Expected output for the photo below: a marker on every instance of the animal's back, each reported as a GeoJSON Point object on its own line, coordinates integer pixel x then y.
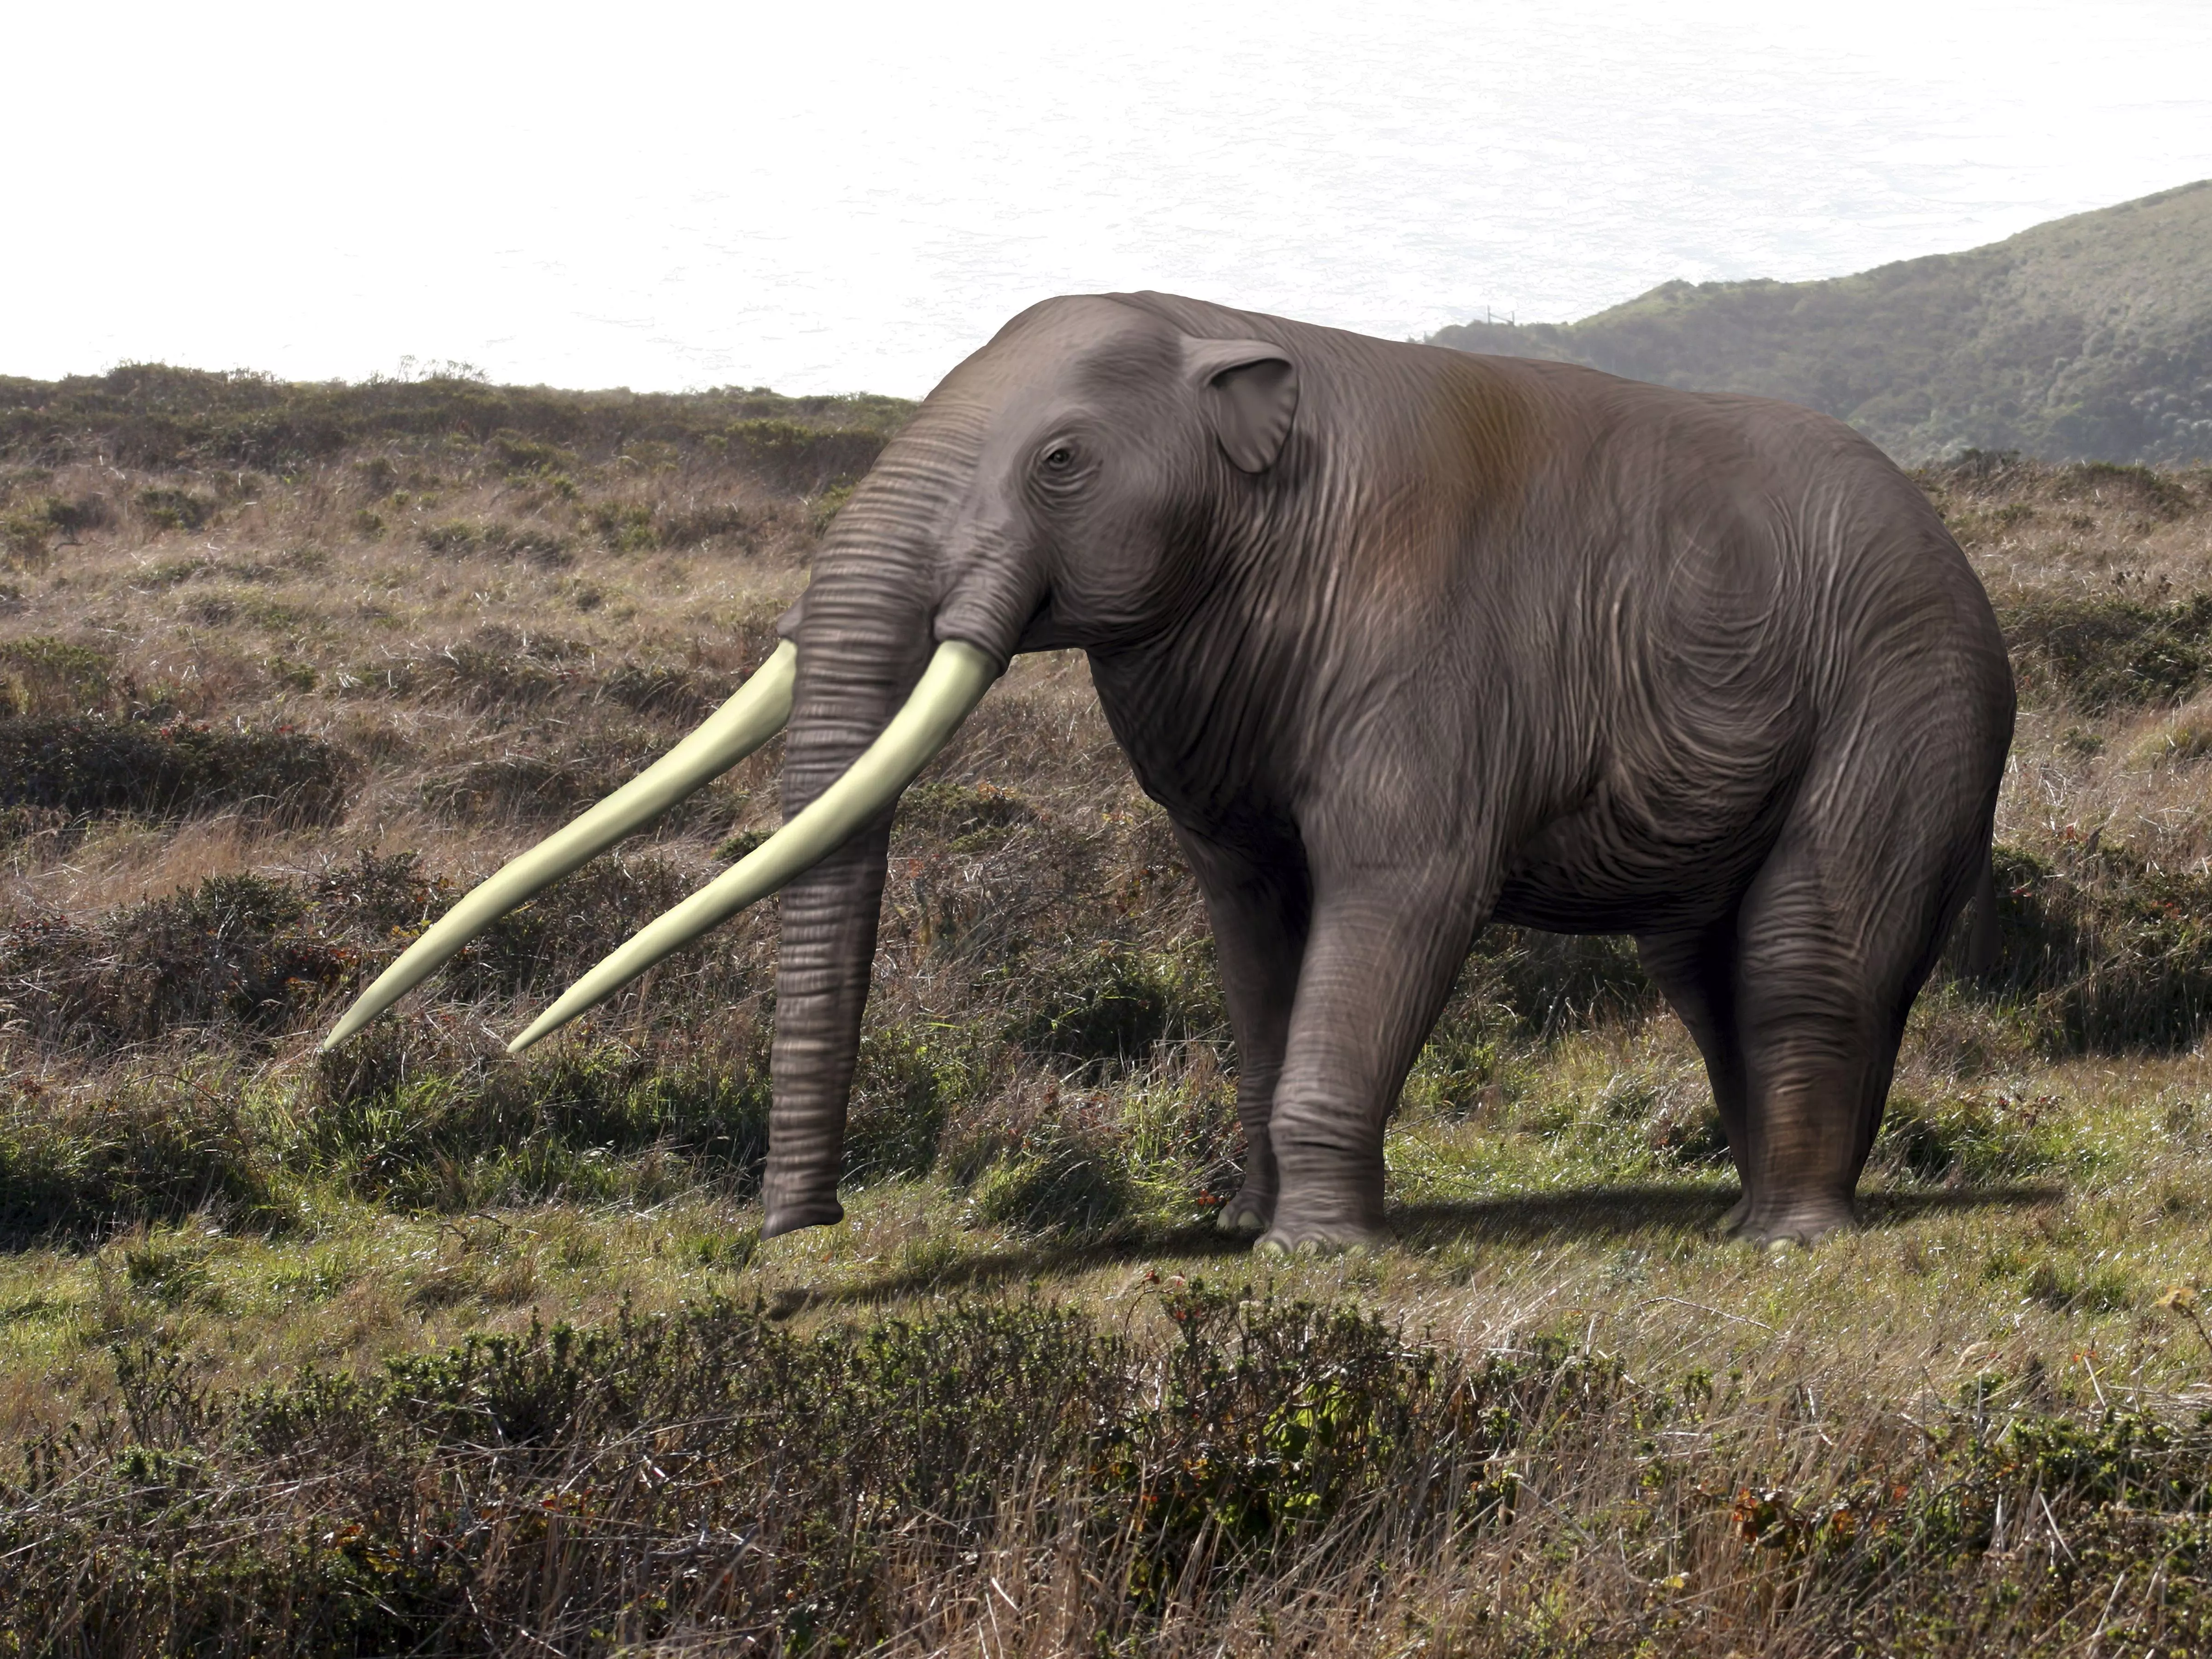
{"type": "Point", "coordinates": [1745, 586]}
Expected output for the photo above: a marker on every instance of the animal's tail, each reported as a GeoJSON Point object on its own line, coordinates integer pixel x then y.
{"type": "Point", "coordinates": [1982, 937]}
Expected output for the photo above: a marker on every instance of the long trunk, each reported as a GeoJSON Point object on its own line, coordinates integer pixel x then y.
{"type": "Point", "coordinates": [863, 640]}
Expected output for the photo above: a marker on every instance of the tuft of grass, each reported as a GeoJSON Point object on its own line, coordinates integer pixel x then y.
{"type": "Point", "coordinates": [170, 508]}
{"type": "Point", "coordinates": [1108, 1006]}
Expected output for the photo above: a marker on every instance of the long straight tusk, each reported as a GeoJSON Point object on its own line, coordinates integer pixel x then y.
{"type": "Point", "coordinates": [955, 682]}
{"type": "Point", "coordinates": [760, 709]}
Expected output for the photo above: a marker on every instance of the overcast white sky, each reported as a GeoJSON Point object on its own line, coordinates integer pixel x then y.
{"type": "Point", "coordinates": [851, 196]}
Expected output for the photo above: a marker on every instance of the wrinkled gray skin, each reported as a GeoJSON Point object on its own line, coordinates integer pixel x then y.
{"type": "Point", "coordinates": [1405, 641]}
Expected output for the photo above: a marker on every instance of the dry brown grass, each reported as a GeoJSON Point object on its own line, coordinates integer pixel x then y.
{"type": "Point", "coordinates": [487, 635]}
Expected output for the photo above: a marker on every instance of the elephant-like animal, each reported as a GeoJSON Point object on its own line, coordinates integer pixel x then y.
{"type": "Point", "coordinates": [1403, 639]}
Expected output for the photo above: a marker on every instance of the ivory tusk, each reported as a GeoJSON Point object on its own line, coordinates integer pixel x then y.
{"type": "Point", "coordinates": [949, 689]}
{"type": "Point", "coordinates": [760, 709]}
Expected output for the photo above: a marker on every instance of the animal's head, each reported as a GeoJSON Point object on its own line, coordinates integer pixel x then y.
{"type": "Point", "coordinates": [1064, 486]}
{"type": "Point", "coordinates": [1056, 488]}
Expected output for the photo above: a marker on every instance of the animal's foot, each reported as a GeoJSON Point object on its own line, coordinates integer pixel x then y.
{"type": "Point", "coordinates": [1804, 1224]}
{"type": "Point", "coordinates": [1733, 1221]}
{"type": "Point", "coordinates": [806, 1213]}
{"type": "Point", "coordinates": [1287, 1238]}
{"type": "Point", "coordinates": [1248, 1212]}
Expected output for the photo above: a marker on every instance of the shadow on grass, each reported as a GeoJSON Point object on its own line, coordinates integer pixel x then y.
{"type": "Point", "coordinates": [1582, 1211]}
{"type": "Point", "coordinates": [987, 1268]}
{"type": "Point", "coordinates": [1687, 1206]}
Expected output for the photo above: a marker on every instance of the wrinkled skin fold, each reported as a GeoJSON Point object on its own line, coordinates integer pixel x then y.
{"type": "Point", "coordinates": [1404, 640]}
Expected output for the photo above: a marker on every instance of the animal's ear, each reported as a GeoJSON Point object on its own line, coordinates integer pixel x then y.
{"type": "Point", "coordinates": [1250, 390]}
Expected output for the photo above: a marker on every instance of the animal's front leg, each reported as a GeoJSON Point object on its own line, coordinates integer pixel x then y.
{"type": "Point", "coordinates": [1260, 909]}
{"type": "Point", "coordinates": [1379, 962]}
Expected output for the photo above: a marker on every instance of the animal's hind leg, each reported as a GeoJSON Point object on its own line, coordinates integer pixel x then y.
{"type": "Point", "coordinates": [1695, 970]}
{"type": "Point", "coordinates": [1835, 938]}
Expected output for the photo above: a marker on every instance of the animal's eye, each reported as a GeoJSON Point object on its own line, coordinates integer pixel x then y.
{"type": "Point", "coordinates": [1059, 459]}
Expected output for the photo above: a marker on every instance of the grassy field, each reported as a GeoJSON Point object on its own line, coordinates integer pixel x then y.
{"type": "Point", "coordinates": [413, 1348]}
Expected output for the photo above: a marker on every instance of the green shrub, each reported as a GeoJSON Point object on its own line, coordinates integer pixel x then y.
{"type": "Point", "coordinates": [152, 415]}
{"type": "Point", "coordinates": [423, 1507]}
{"type": "Point", "coordinates": [711, 521]}
{"type": "Point", "coordinates": [970, 816]}
{"type": "Point", "coordinates": [519, 457]}
{"type": "Point", "coordinates": [258, 956]}
{"type": "Point", "coordinates": [906, 1081]}
{"type": "Point", "coordinates": [553, 784]}
{"type": "Point", "coordinates": [2104, 950]}
{"type": "Point", "coordinates": [1107, 1006]}
{"type": "Point", "coordinates": [804, 460]}
{"type": "Point", "coordinates": [439, 1127]}
{"type": "Point", "coordinates": [170, 508]}
{"type": "Point", "coordinates": [2098, 654]}
{"type": "Point", "coordinates": [1055, 1179]}
{"type": "Point", "coordinates": [77, 764]}
{"type": "Point", "coordinates": [237, 950]}
{"type": "Point", "coordinates": [1553, 982]}
{"type": "Point", "coordinates": [152, 1148]}
{"type": "Point", "coordinates": [42, 675]}
{"type": "Point", "coordinates": [624, 526]}
{"type": "Point", "coordinates": [456, 538]}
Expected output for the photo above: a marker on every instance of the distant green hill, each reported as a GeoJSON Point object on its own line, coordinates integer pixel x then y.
{"type": "Point", "coordinates": [2088, 338]}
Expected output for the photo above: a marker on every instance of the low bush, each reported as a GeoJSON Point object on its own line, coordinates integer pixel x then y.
{"type": "Point", "coordinates": [85, 1161]}
{"type": "Point", "coordinates": [44, 676]}
{"type": "Point", "coordinates": [708, 1478]}
{"type": "Point", "coordinates": [707, 1475]}
{"type": "Point", "coordinates": [803, 460]}
{"type": "Point", "coordinates": [1553, 982]}
{"type": "Point", "coordinates": [1104, 1007]}
{"type": "Point", "coordinates": [2104, 950]}
{"type": "Point", "coordinates": [256, 955]}
{"type": "Point", "coordinates": [94, 764]}
{"type": "Point", "coordinates": [237, 950]}
{"type": "Point", "coordinates": [2101, 652]}
{"type": "Point", "coordinates": [1056, 1178]}
{"type": "Point", "coordinates": [446, 1123]}
{"type": "Point", "coordinates": [537, 543]}
{"type": "Point", "coordinates": [553, 782]}
{"type": "Point", "coordinates": [167, 508]}
{"type": "Point", "coordinates": [153, 417]}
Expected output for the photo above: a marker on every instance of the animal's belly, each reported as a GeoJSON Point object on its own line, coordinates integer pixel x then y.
{"type": "Point", "coordinates": [1606, 870]}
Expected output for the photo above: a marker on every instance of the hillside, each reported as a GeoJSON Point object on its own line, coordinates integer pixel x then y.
{"type": "Point", "coordinates": [418, 1348]}
{"type": "Point", "coordinates": [2086, 339]}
